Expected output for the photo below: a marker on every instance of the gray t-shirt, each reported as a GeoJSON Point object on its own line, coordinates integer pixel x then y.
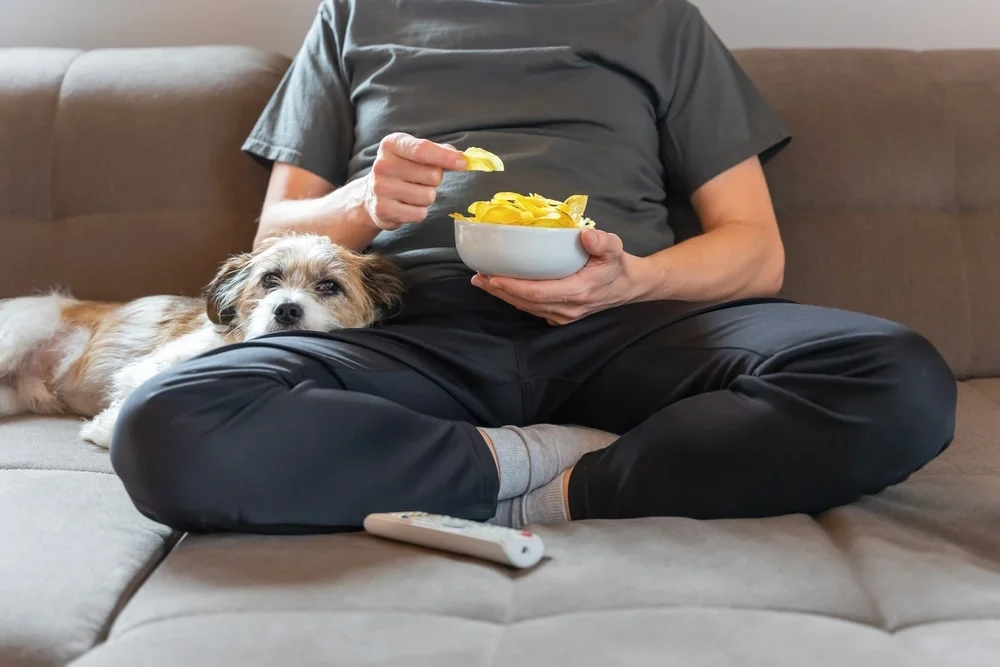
{"type": "Point", "coordinates": [621, 100]}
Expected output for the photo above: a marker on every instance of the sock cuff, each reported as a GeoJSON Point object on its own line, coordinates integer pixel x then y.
{"type": "Point", "coordinates": [512, 459]}
{"type": "Point", "coordinates": [546, 505]}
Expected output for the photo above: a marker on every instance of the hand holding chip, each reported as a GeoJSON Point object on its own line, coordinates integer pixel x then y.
{"type": "Point", "coordinates": [608, 279]}
{"type": "Point", "coordinates": [404, 179]}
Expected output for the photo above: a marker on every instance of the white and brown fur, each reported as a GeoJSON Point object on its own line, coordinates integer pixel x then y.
{"type": "Point", "coordinates": [60, 355]}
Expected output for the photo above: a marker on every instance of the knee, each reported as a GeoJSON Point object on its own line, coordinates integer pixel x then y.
{"type": "Point", "coordinates": [913, 414]}
{"type": "Point", "coordinates": [159, 445]}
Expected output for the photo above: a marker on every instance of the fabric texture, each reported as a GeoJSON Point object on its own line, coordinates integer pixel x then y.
{"type": "Point", "coordinates": [657, 104]}
{"type": "Point", "coordinates": [121, 173]}
{"type": "Point", "coordinates": [888, 204]}
{"type": "Point", "coordinates": [73, 551]}
{"type": "Point", "coordinates": [42, 443]}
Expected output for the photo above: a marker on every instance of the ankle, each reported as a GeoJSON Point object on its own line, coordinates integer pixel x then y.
{"type": "Point", "coordinates": [565, 492]}
{"type": "Point", "coordinates": [492, 448]}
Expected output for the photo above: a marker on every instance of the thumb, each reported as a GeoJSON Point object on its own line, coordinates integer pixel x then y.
{"type": "Point", "coordinates": [601, 244]}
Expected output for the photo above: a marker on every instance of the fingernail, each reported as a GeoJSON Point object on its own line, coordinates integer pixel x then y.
{"type": "Point", "coordinates": [460, 163]}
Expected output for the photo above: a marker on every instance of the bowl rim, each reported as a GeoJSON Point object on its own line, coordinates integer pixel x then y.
{"type": "Point", "coordinates": [489, 225]}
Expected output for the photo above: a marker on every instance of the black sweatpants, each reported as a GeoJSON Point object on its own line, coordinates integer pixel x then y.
{"type": "Point", "coordinates": [747, 409]}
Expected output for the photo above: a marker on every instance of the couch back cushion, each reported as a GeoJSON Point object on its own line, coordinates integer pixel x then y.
{"type": "Point", "coordinates": [121, 173]}
{"type": "Point", "coordinates": [889, 194]}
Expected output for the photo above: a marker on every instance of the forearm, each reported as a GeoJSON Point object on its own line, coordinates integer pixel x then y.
{"type": "Point", "coordinates": [339, 215]}
{"type": "Point", "coordinates": [729, 262]}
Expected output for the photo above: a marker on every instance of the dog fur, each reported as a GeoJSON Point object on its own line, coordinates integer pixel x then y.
{"type": "Point", "coordinates": [60, 355]}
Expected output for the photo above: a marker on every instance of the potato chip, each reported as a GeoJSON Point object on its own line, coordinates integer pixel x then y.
{"type": "Point", "coordinates": [534, 210]}
{"type": "Point", "coordinates": [478, 159]}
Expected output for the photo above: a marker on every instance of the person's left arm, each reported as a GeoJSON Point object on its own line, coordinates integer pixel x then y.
{"type": "Point", "coordinates": [717, 131]}
{"type": "Point", "coordinates": [740, 254]}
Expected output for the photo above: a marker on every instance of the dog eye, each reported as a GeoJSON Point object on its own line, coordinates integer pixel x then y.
{"type": "Point", "coordinates": [328, 287]}
{"type": "Point", "coordinates": [270, 280]}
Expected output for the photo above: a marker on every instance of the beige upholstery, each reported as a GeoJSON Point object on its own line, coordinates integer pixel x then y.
{"type": "Point", "coordinates": [121, 172]}
{"type": "Point", "coordinates": [121, 175]}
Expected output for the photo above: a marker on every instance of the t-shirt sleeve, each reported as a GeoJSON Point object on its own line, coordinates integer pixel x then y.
{"type": "Point", "coordinates": [309, 120]}
{"type": "Point", "coordinates": [714, 117]}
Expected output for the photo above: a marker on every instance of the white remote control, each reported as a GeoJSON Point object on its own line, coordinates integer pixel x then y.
{"type": "Point", "coordinates": [507, 546]}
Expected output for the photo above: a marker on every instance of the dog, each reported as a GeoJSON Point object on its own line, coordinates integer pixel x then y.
{"type": "Point", "coordinates": [60, 355]}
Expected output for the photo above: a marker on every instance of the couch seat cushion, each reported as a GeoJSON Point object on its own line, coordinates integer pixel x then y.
{"type": "Point", "coordinates": [72, 548]}
{"type": "Point", "coordinates": [36, 443]}
{"type": "Point", "coordinates": [909, 577]}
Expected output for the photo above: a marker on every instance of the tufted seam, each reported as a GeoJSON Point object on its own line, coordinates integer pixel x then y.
{"type": "Point", "coordinates": [54, 143]}
{"type": "Point", "coordinates": [988, 397]}
{"type": "Point", "coordinates": [41, 469]}
{"type": "Point", "coordinates": [680, 609]}
{"type": "Point", "coordinates": [136, 582]}
{"type": "Point", "coordinates": [851, 564]}
{"type": "Point", "coordinates": [946, 94]}
{"type": "Point", "coordinates": [508, 623]}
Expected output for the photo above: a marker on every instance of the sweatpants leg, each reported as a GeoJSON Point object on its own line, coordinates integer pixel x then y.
{"type": "Point", "coordinates": [753, 409]}
{"type": "Point", "coordinates": [309, 433]}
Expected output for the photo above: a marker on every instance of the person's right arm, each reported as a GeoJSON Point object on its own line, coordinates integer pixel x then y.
{"type": "Point", "coordinates": [398, 190]}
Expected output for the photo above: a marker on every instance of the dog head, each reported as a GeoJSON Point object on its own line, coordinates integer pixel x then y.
{"type": "Point", "coordinates": [301, 282]}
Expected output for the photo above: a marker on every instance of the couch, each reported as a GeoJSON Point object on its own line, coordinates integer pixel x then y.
{"type": "Point", "coordinates": [120, 175]}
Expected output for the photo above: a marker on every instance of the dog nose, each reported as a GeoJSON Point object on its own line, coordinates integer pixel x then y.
{"type": "Point", "coordinates": [288, 313]}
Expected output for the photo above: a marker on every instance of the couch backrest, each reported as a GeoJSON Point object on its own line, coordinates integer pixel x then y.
{"type": "Point", "coordinates": [121, 175]}
{"type": "Point", "coordinates": [120, 170]}
{"type": "Point", "coordinates": [889, 194]}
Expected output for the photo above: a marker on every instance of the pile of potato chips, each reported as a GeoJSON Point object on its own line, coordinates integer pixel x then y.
{"type": "Point", "coordinates": [511, 208]}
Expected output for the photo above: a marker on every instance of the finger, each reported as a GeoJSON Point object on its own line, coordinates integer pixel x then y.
{"type": "Point", "coordinates": [598, 243]}
{"type": "Point", "coordinates": [564, 290]}
{"type": "Point", "coordinates": [394, 166]}
{"type": "Point", "coordinates": [392, 214]}
{"type": "Point", "coordinates": [423, 151]}
{"type": "Point", "coordinates": [404, 193]}
{"type": "Point", "coordinates": [520, 304]}
{"type": "Point", "coordinates": [556, 312]}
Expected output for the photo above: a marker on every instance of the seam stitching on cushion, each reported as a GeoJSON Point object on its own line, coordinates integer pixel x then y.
{"type": "Point", "coordinates": [856, 575]}
{"type": "Point", "coordinates": [972, 386]}
{"type": "Point", "coordinates": [53, 146]}
{"type": "Point", "coordinates": [654, 607]}
{"type": "Point", "coordinates": [944, 621]}
{"type": "Point", "coordinates": [135, 583]}
{"type": "Point", "coordinates": [963, 250]}
{"type": "Point", "coordinates": [74, 470]}
{"type": "Point", "coordinates": [108, 216]}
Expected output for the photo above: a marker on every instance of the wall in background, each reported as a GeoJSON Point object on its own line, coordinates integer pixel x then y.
{"type": "Point", "coordinates": [279, 25]}
{"type": "Point", "coordinates": [275, 25]}
{"type": "Point", "coordinates": [906, 24]}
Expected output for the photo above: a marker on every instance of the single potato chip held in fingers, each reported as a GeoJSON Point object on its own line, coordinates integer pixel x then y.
{"type": "Point", "coordinates": [478, 159]}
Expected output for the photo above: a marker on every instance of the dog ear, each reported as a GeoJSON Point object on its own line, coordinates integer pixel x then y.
{"type": "Point", "coordinates": [383, 282]}
{"type": "Point", "coordinates": [220, 293]}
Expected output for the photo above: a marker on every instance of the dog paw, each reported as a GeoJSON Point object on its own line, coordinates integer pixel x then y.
{"type": "Point", "coordinates": [99, 429]}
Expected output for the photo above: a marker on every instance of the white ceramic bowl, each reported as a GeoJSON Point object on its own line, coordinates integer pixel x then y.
{"type": "Point", "coordinates": [532, 253]}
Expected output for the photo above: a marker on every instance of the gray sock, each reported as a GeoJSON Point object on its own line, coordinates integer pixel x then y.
{"type": "Point", "coordinates": [541, 506]}
{"type": "Point", "coordinates": [530, 457]}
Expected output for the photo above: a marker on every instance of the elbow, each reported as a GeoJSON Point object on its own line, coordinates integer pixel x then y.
{"type": "Point", "coordinates": [771, 278]}
{"type": "Point", "coordinates": [777, 282]}
{"type": "Point", "coordinates": [268, 226]}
